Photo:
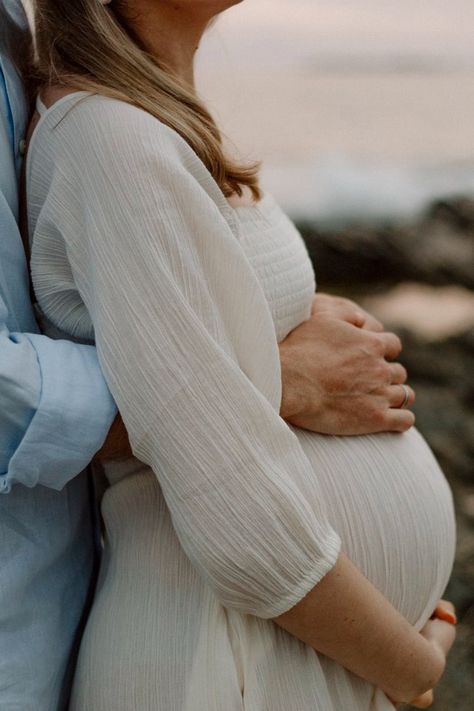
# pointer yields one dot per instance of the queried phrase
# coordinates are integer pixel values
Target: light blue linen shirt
(55, 412)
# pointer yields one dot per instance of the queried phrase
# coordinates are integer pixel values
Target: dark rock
(459, 214)
(438, 250)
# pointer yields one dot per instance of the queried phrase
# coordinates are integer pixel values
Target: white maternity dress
(233, 516)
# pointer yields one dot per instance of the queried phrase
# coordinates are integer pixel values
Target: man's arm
(335, 376)
(55, 409)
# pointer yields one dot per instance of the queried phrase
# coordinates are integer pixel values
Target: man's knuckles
(378, 373)
(398, 373)
(391, 344)
(382, 418)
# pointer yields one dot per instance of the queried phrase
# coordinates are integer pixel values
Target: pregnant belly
(391, 505)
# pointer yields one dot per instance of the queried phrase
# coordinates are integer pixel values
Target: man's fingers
(399, 374)
(391, 344)
(372, 324)
(360, 317)
(398, 420)
(397, 396)
(343, 311)
(346, 310)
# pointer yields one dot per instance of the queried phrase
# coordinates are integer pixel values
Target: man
(56, 411)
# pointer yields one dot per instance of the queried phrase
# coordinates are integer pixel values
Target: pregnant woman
(248, 564)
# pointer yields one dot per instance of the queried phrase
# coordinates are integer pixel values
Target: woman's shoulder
(86, 140)
(86, 136)
(84, 123)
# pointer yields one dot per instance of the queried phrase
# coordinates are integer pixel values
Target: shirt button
(22, 147)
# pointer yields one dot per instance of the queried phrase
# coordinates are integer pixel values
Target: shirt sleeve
(188, 348)
(55, 409)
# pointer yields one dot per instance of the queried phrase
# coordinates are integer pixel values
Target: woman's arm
(177, 312)
(347, 619)
(309, 357)
(130, 220)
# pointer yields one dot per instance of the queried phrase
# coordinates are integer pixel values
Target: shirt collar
(12, 86)
(15, 10)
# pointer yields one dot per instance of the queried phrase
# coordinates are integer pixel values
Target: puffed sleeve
(187, 345)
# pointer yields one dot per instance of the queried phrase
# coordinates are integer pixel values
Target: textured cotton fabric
(233, 516)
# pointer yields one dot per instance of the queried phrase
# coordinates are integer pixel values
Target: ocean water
(359, 109)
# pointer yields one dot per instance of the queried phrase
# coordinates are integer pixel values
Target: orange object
(445, 615)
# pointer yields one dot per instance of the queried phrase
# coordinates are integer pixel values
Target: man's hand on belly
(338, 374)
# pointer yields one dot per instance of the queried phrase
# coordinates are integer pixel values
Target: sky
(278, 31)
(355, 106)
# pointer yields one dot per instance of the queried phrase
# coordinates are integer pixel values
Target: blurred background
(362, 112)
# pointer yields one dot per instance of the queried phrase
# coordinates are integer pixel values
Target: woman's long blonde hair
(87, 45)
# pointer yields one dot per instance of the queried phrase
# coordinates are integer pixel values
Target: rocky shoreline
(360, 261)
(438, 249)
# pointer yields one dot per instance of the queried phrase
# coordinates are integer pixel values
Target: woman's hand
(338, 374)
(440, 631)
